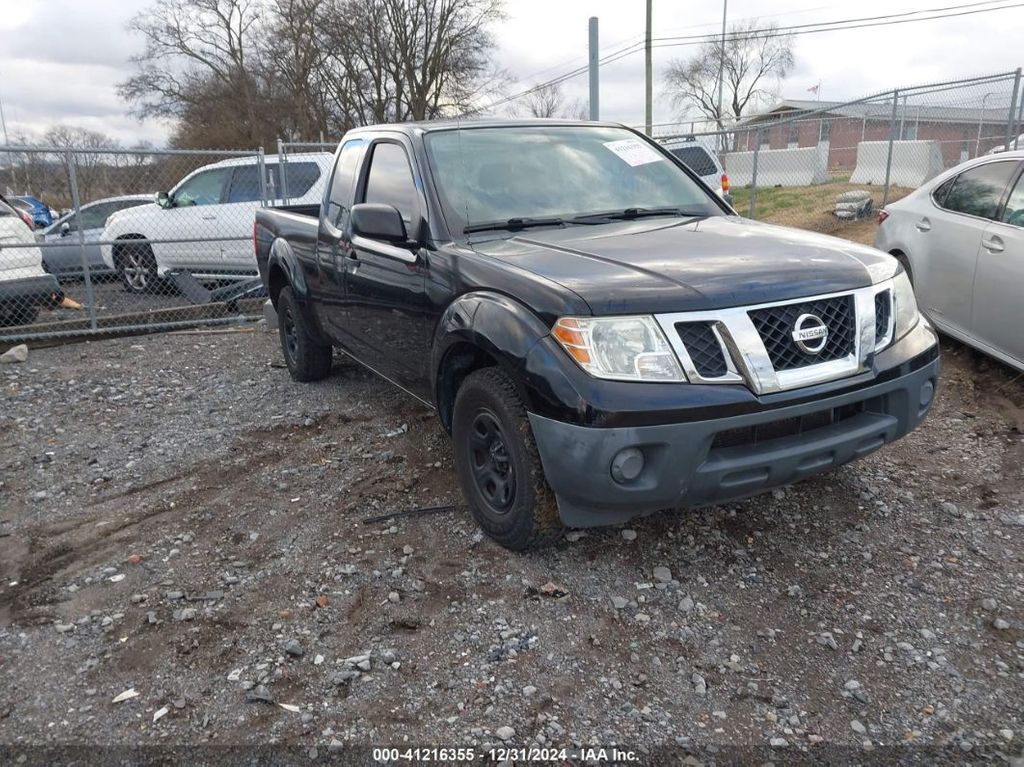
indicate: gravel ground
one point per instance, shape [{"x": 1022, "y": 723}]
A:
[{"x": 180, "y": 519}]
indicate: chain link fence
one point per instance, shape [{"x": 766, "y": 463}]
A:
[
  {"x": 824, "y": 165},
  {"x": 100, "y": 241}
]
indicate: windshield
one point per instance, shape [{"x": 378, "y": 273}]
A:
[{"x": 487, "y": 175}]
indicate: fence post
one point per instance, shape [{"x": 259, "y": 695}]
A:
[
  {"x": 281, "y": 171},
  {"x": 77, "y": 204},
  {"x": 1020, "y": 121},
  {"x": 1010, "y": 133},
  {"x": 753, "y": 174},
  {"x": 262, "y": 166},
  {"x": 892, "y": 137}
]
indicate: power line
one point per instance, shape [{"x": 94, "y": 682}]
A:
[
  {"x": 638, "y": 39},
  {"x": 905, "y": 17}
]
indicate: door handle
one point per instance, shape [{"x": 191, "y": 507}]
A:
[
  {"x": 993, "y": 244},
  {"x": 923, "y": 225}
]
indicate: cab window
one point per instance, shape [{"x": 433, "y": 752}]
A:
[
  {"x": 390, "y": 180},
  {"x": 339, "y": 199}
]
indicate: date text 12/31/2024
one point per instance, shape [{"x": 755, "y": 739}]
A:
[{"x": 504, "y": 754}]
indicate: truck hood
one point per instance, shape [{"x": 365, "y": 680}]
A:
[{"x": 677, "y": 265}]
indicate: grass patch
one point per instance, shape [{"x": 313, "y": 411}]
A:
[{"x": 810, "y": 207}]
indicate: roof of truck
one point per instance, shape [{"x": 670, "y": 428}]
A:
[{"x": 428, "y": 126}]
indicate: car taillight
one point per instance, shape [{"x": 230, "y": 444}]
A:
[
  {"x": 882, "y": 215},
  {"x": 725, "y": 184},
  {"x": 28, "y": 220}
]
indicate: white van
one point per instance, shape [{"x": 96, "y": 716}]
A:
[{"x": 204, "y": 225}]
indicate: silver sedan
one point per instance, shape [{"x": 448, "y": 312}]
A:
[
  {"x": 62, "y": 256},
  {"x": 960, "y": 238}
]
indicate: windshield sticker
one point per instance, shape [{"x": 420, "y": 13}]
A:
[{"x": 634, "y": 152}]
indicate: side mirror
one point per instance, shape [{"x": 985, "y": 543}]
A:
[
  {"x": 379, "y": 222},
  {"x": 65, "y": 229},
  {"x": 163, "y": 199}
]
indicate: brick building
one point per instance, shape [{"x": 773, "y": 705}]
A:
[{"x": 963, "y": 132}]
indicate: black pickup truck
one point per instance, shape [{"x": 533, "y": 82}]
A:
[{"x": 600, "y": 333}]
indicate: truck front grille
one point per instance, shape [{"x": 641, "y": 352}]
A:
[
  {"x": 703, "y": 347},
  {"x": 775, "y": 325}
]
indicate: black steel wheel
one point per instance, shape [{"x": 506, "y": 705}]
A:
[
  {"x": 498, "y": 466},
  {"x": 306, "y": 357}
]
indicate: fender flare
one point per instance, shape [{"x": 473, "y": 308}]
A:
[
  {"x": 283, "y": 257},
  {"x": 496, "y": 325}
]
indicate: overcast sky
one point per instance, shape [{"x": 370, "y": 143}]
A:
[{"x": 60, "y": 60}]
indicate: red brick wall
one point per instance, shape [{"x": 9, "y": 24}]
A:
[{"x": 845, "y": 133}]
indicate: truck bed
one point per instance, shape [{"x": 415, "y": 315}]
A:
[{"x": 298, "y": 224}]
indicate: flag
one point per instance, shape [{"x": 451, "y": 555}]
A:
[{"x": 814, "y": 89}]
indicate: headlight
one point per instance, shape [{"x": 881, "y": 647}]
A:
[
  {"x": 906, "y": 305},
  {"x": 620, "y": 348}
]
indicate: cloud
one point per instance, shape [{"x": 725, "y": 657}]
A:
[{"x": 61, "y": 60}]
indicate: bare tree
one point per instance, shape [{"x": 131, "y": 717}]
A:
[
  {"x": 92, "y": 169},
  {"x": 194, "y": 48},
  {"x": 391, "y": 60},
  {"x": 237, "y": 73},
  {"x": 549, "y": 101},
  {"x": 754, "y": 61},
  {"x": 293, "y": 62}
]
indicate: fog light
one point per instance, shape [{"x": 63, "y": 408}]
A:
[
  {"x": 927, "y": 392},
  {"x": 627, "y": 464}
]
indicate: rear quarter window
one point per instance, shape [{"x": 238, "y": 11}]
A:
[
  {"x": 300, "y": 177},
  {"x": 696, "y": 159}
]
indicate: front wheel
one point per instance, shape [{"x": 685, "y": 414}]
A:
[
  {"x": 498, "y": 466},
  {"x": 136, "y": 266}
]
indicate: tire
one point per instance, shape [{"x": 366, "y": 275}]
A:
[
  {"x": 20, "y": 315},
  {"x": 307, "y": 358},
  {"x": 498, "y": 465},
  {"x": 136, "y": 266}
]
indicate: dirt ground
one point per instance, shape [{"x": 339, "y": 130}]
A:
[{"x": 181, "y": 520}]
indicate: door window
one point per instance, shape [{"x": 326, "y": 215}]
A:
[
  {"x": 340, "y": 198},
  {"x": 1013, "y": 213},
  {"x": 977, "y": 191},
  {"x": 95, "y": 216},
  {"x": 390, "y": 180},
  {"x": 204, "y": 188}
]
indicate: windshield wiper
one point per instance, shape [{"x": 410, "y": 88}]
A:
[
  {"x": 631, "y": 213},
  {"x": 512, "y": 224}
]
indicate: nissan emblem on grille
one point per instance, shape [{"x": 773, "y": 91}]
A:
[{"x": 810, "y": 334}]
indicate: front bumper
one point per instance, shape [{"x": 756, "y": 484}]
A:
[
  {"x": 719, "y": 459},
  {"x": 42, "y": 290}
]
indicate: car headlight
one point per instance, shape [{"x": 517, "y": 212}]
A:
[
  {"x": 906, "y": 305},
  {"x": 619, "y": 348}
]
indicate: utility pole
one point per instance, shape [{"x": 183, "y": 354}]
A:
[
  {"x": 648, "y": 91},
  {"x": 721, "y": 62},
  {"x": 595, "y": 106},
  {"x": 10, "y": 156}
]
